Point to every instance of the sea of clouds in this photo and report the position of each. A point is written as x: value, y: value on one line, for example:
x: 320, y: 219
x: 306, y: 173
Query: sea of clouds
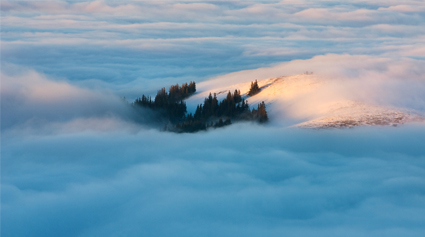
x: 245, y: 179
x: 75, y: 163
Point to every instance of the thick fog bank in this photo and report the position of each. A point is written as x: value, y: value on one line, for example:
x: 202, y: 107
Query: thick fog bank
x: 241, y: 180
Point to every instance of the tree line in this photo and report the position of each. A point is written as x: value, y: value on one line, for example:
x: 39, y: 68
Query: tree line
x: 169, y: 104
x: 210, y: 114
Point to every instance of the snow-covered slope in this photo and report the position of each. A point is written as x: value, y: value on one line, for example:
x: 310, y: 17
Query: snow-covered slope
x: 350, y: 114
x: 309, y: 101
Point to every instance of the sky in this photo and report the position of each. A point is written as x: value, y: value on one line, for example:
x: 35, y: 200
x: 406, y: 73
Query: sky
x: 75, y: 163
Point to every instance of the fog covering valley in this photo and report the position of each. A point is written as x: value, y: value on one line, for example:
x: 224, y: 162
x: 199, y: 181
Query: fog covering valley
x: 78, y: 160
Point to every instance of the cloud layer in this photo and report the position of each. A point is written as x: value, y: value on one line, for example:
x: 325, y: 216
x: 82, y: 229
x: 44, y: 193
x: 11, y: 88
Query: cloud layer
x: 138, y: 42
x: 245, y: 179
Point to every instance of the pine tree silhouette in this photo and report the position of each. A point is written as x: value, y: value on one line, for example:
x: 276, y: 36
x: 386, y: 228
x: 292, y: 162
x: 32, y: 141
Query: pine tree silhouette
x: 254, y: 88
x: 211, y: 114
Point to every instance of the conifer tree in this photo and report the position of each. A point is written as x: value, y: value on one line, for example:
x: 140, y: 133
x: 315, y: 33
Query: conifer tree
x: 254, y: 88
x: 262, y: 113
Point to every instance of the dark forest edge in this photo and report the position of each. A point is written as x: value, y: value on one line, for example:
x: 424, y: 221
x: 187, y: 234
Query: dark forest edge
x: 171, y: 110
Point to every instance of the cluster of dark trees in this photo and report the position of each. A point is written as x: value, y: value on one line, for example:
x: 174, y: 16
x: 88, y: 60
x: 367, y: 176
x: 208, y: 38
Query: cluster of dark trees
x: 260, y: 114
x: 231, y: 106
x: 214, y: 114
x: 254, y: 89
x: 169, y: 104
x: 211, y: 114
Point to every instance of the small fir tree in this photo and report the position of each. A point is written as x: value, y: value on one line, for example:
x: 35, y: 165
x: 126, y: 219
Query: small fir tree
x: 254, y: 88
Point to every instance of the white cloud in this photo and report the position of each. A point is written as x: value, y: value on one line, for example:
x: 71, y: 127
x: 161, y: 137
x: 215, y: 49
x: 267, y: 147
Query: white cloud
x: 195, y: 6
x: 404, y: 8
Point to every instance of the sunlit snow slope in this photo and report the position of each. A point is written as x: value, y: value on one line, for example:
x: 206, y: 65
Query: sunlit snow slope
x: 309, y: 101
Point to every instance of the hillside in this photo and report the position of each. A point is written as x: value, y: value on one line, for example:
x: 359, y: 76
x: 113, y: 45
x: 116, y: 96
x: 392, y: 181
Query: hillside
x: 309, y: 101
